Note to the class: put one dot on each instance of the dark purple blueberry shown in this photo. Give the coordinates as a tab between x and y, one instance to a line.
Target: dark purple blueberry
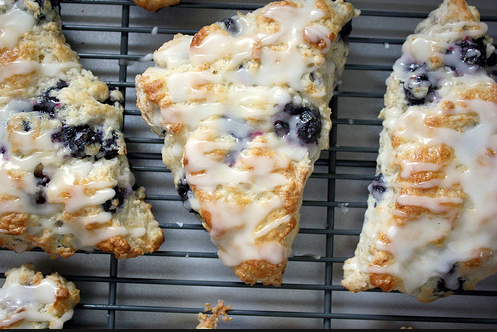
42	179
492	60
230	158
345	32
442	288
242	131
76	138
184	190
298	123
377	187
309	128
26	125
40	198
185	193
281	128
231	25
110	100
417	88
114	204
46	95
109	147
473	52
293	109
46	106
316	78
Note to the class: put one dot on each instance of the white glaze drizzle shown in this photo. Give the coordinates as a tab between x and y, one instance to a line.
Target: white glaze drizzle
69	189
13	23
26	303
416	259
23	67
266	85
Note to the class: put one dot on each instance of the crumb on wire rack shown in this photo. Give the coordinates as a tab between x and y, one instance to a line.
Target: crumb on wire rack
210	322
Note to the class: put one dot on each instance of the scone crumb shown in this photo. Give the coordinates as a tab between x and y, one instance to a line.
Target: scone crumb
210	322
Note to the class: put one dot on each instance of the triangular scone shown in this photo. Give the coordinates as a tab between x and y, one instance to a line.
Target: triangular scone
431	224
29	300
243	108
66	182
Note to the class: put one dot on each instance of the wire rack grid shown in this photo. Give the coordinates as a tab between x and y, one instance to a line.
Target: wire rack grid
168	288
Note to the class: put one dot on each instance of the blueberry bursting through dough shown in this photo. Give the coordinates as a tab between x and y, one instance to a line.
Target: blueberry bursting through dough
66	182
430	228
243	107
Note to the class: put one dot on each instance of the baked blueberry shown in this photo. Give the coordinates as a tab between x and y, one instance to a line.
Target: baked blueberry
42	179
76	138
114	204
345	32
293	109
109	147
443	287
418	86
281	128
473	52
46	106
46	95
309	127
26	125
185	193
243	133
40	198
231	25
298	123
377	187
111	100
47	103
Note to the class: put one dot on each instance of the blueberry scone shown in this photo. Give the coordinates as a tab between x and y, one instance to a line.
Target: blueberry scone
155	5
66	181
243	109
29	300
431	224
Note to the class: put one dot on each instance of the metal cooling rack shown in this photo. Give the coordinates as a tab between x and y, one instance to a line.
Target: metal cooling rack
167	289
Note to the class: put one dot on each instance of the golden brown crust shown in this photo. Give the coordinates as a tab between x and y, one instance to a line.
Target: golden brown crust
254	271
12	223
155	5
